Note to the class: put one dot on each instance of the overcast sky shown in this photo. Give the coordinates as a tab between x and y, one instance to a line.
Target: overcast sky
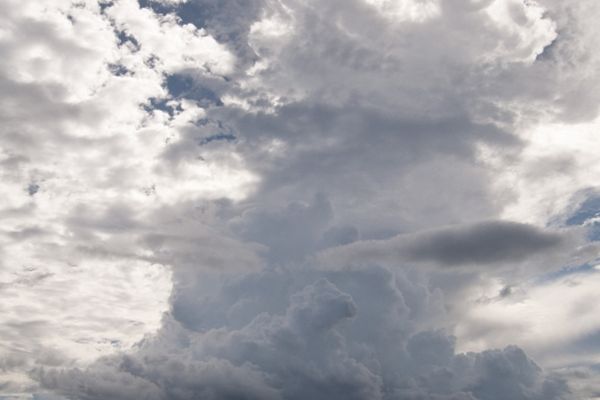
299	199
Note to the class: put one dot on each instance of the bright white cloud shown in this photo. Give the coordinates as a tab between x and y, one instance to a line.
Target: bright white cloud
407	10
550	320
82	165
559	161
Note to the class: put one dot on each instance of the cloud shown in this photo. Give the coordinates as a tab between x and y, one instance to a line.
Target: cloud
86	191
283	179
529	310
481	244
304	222
330	338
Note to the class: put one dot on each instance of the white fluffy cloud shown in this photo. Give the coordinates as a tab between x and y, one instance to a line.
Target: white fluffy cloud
84	172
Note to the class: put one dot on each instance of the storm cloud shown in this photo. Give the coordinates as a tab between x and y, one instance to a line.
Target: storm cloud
292	199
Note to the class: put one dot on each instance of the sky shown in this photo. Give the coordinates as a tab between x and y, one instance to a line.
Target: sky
299	199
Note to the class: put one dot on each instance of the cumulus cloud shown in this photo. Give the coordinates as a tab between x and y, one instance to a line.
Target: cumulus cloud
325	341
87	236
282	185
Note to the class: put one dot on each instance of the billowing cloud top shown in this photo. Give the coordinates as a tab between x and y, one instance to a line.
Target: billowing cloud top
299	199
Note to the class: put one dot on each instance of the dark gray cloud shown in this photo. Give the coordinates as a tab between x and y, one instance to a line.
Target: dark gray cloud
503	244
484	243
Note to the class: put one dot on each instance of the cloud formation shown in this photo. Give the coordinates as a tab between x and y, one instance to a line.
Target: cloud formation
486	243
290	199
483	243
329	339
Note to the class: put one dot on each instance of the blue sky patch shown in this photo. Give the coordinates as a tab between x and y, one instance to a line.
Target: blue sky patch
184	86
